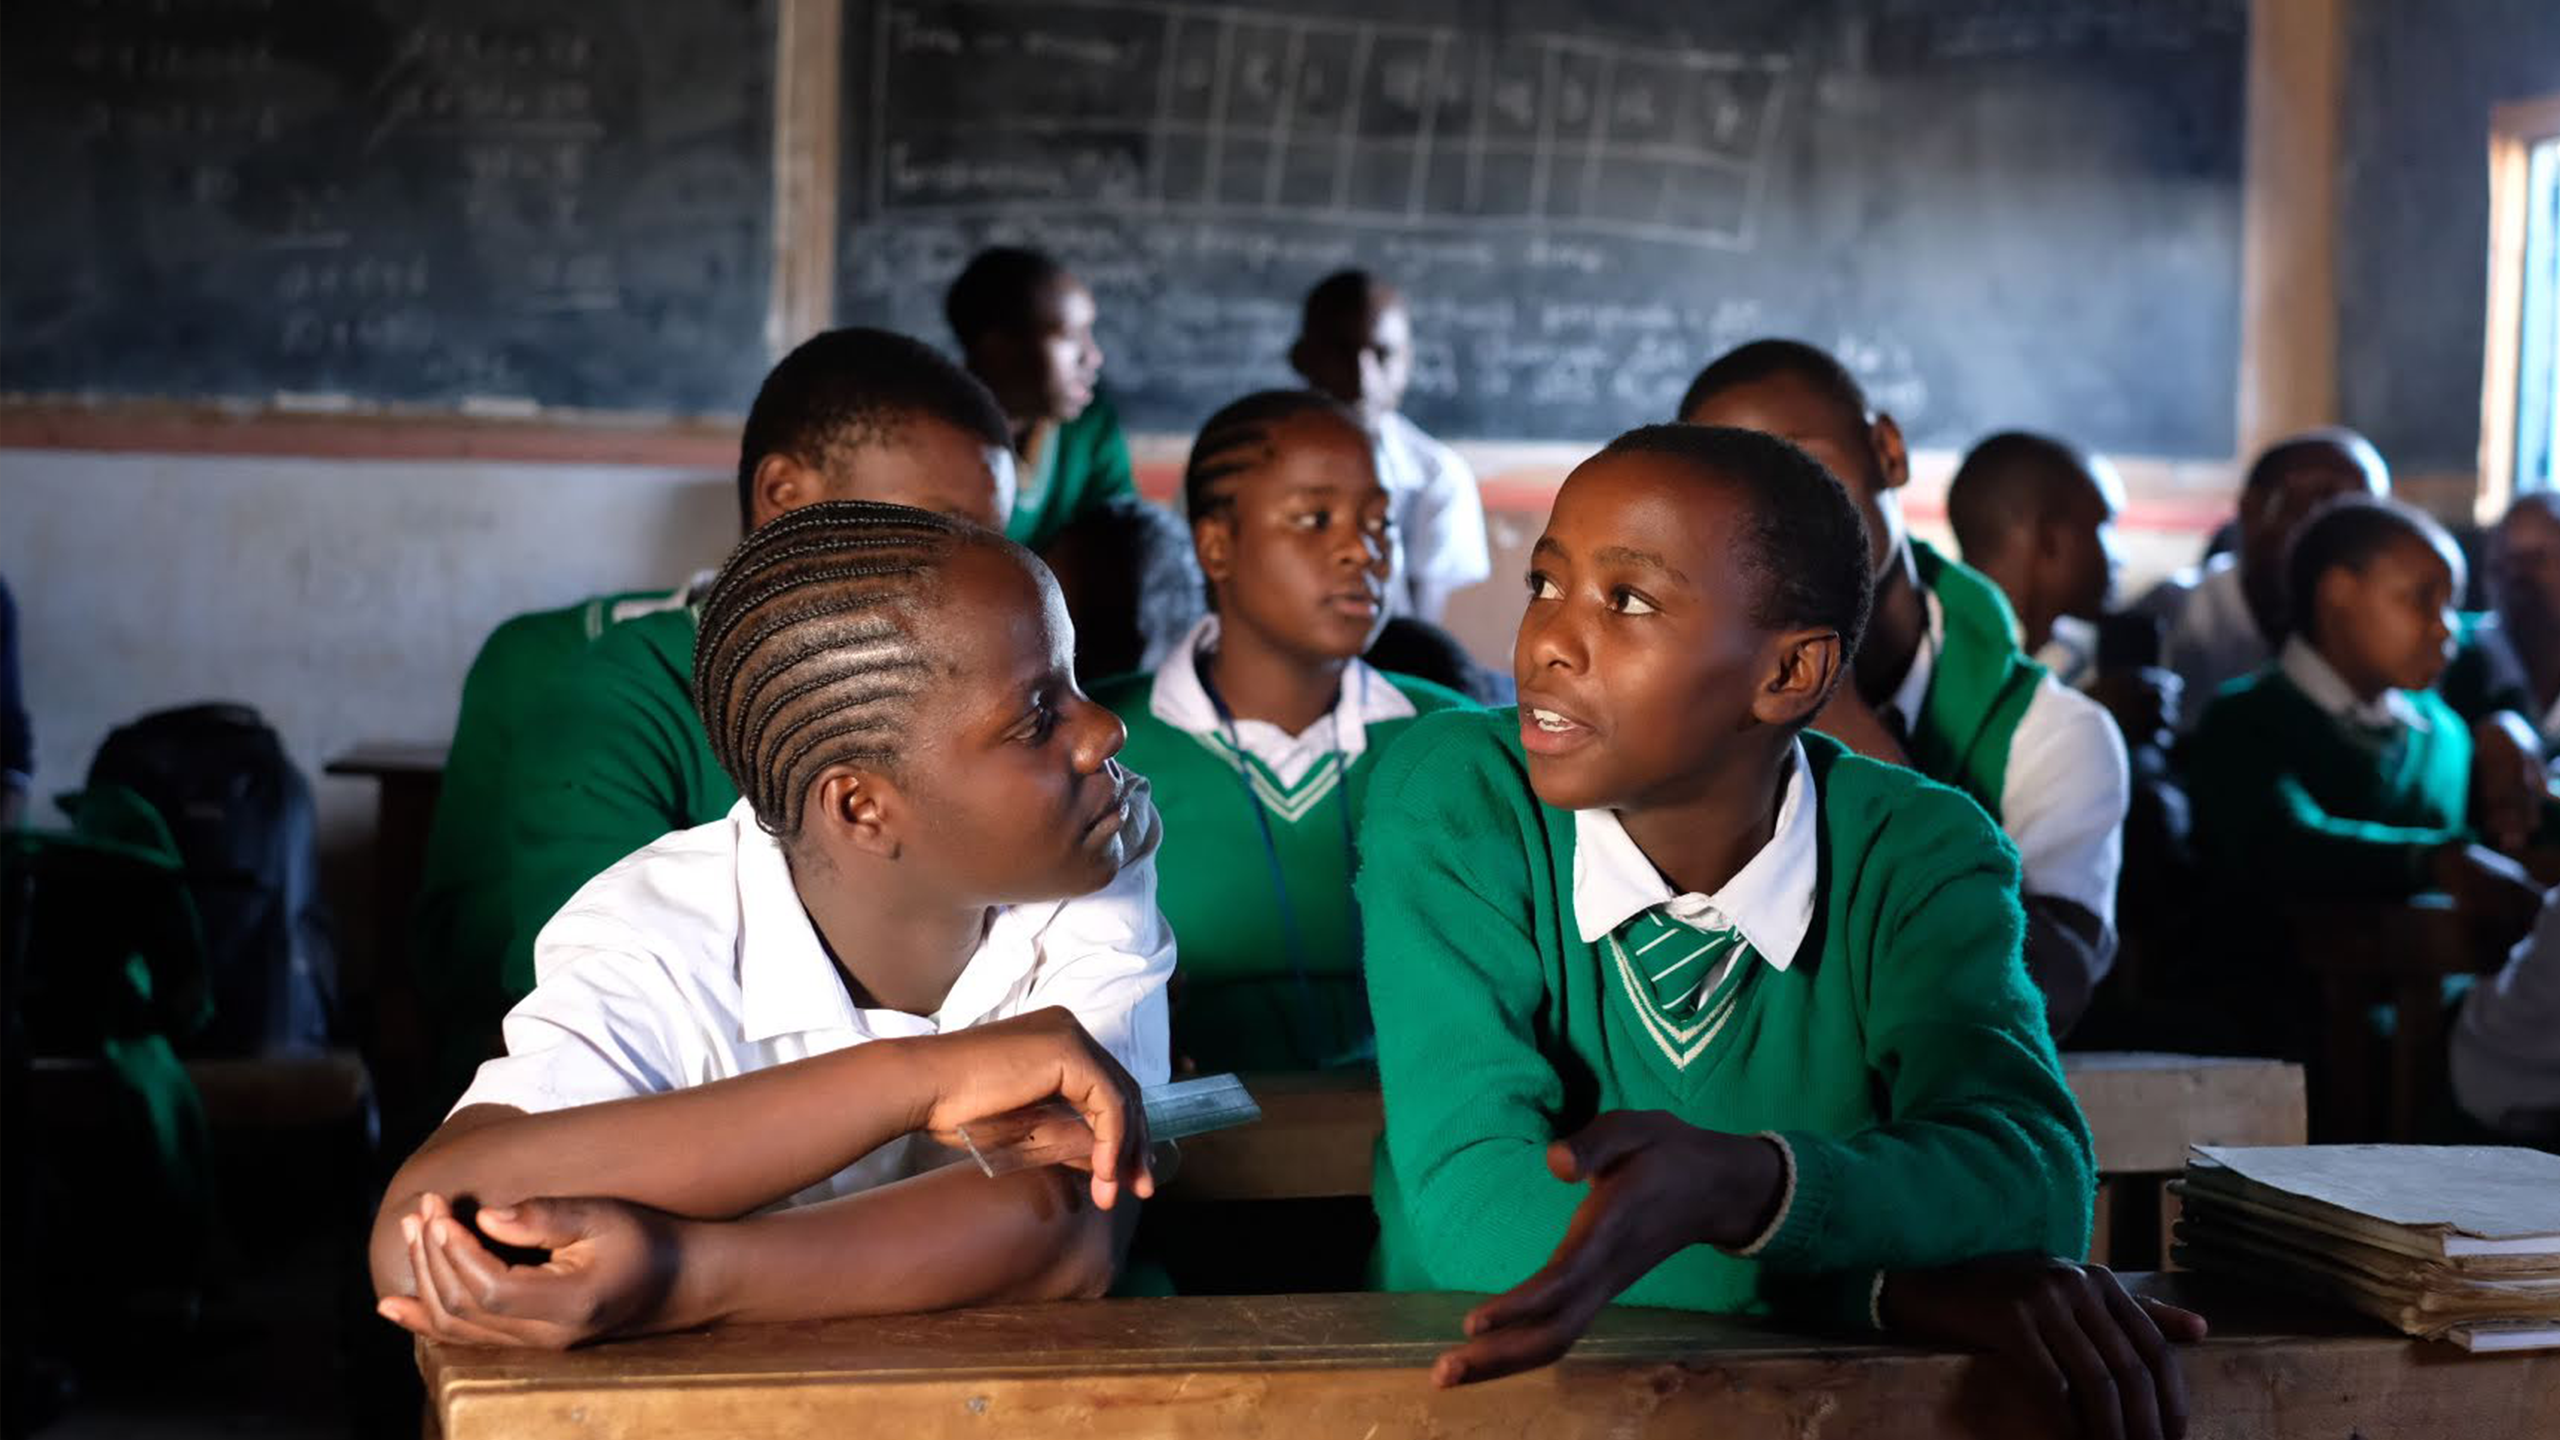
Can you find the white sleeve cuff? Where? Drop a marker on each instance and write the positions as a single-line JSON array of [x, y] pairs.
[[1786, 1196]]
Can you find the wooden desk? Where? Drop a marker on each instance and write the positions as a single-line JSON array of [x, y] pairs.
[[1357, 1365]]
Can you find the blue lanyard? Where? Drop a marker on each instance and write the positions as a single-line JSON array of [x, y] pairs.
[[1312, 1015]]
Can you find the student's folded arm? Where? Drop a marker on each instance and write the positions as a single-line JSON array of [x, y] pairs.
[[590, 1101], [1981, 1130], [1455, 985], [2330, 854], [945, 1238]]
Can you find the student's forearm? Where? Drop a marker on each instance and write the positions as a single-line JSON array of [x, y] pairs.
[[948, 1238], [707, 1151]]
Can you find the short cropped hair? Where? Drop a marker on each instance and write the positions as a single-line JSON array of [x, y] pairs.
[[2346, 534], [1805, 549], [845, 389], [1760, 360], [1342, 293], [999, 290], [2006, 484], [2277, 458], [808, 653]]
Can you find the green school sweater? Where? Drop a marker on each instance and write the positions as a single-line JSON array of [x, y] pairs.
[[457, 934], [1085, 462], [617, 760], [1902, 1056], [1980, 687], [1238, 1002], [2288, 795]]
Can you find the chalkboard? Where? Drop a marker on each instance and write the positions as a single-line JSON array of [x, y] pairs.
[[438, 202], [2413, 237], [2000, 212]]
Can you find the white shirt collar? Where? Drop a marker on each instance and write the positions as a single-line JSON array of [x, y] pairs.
[[1913, 692], [1181, 701], [2319, 681], [789, 985], [1770, 899]]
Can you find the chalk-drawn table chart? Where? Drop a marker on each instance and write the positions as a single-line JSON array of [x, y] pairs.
[[1224, 113]]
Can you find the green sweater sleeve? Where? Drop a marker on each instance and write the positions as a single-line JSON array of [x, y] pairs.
[[1108, 471], [606, 771], [1978, 1118], [2255, 816], [1456, 986]]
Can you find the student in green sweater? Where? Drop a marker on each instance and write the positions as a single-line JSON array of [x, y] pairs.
[[1025, 326], [1261, 733], [1940, 683], [610, 755], [1721, 1014], [2338, 771]]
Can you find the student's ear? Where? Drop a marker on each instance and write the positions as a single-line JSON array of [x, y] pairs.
[[1802, 665], [783, 483], [1213, 539], [857, 809], [1893, 462]]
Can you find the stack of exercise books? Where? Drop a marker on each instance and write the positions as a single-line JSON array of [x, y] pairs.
[[2450, 1242]]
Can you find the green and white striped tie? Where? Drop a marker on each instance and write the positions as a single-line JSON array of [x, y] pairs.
[[1679, 962]]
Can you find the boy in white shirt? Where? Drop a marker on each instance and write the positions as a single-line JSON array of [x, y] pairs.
[[1355, 343], [934, 904]]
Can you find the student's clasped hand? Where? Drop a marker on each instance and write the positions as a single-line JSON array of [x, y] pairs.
[[613, 1265], [2096, 1354], [1658, 1186]]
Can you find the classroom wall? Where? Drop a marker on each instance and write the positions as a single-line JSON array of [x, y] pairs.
[[2413, 229], [343, 600]]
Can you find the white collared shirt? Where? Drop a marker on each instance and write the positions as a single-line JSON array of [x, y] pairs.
[[1770, 899], [2065, 790], [2212, 637], [1181, 701], [2321, 684], [1439, 514], [693, 960]]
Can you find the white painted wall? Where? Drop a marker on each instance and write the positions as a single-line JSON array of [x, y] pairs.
[[343, 599]]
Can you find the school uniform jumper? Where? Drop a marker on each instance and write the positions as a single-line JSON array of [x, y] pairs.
[[1082, 463], [1857, 992], [1263, 987]]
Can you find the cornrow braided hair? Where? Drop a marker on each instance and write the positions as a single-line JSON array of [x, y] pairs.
[[1238, 438], [807, 654]]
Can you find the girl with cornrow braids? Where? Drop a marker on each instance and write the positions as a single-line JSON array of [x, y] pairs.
[[733, 1091], [1262, 730]]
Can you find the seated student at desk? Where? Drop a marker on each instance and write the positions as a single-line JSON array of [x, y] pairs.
[[1261, 734], [1025, 326], [1939, 682], [1681, 1003], [2036, 517], [935, 904], [617, 757], [2337, 772]]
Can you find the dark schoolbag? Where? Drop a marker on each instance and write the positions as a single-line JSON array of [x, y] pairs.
[[242, 818]]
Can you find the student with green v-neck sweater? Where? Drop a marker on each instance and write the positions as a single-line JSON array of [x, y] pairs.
[[1261, 733], [1940, 684], [2337, 771], [1025, 327], [1681, 1005]]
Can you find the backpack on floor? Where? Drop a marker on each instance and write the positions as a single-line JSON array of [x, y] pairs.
[[242, 819]]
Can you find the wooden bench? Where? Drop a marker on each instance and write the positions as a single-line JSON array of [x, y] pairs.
[[1357, 1365], [1317, 1133]]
